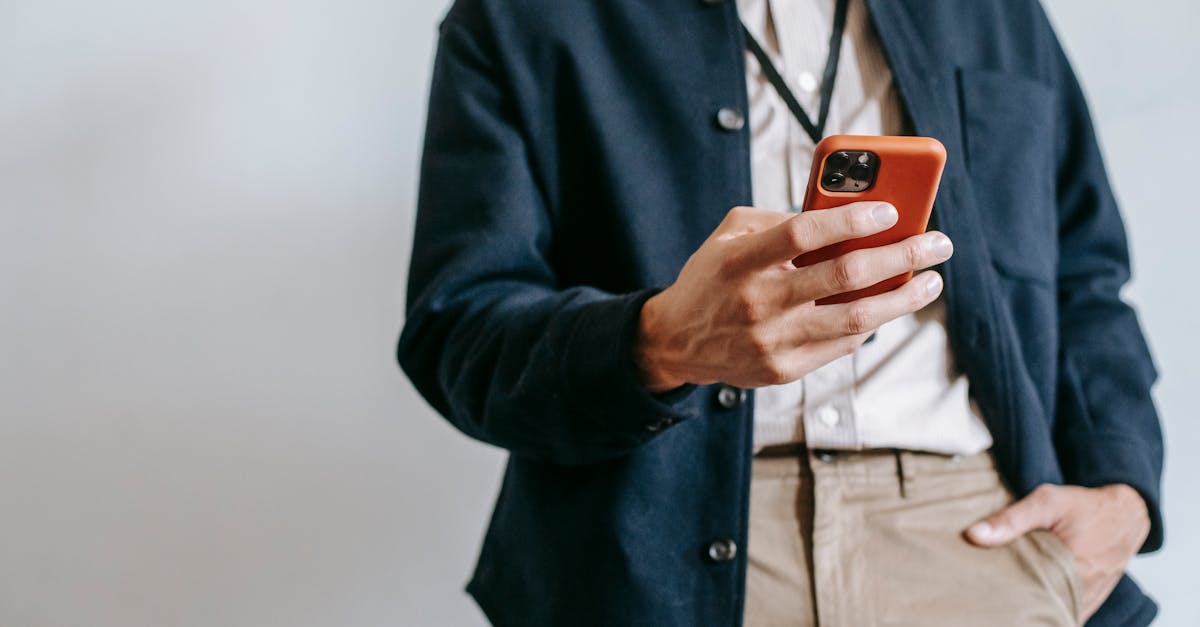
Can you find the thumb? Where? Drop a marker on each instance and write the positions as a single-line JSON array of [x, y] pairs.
[[1038, 510]]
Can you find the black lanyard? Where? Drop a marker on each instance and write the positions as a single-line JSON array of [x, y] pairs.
[[815, 130]]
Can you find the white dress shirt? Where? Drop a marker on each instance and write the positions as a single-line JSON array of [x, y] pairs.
[[901, 390]]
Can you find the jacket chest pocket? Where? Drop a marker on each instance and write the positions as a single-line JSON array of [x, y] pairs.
[[1008, 135]]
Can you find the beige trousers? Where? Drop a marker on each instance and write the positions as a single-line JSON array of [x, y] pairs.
[[863, 539]]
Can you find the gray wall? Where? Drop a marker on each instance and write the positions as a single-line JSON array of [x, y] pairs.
[[206, 213]]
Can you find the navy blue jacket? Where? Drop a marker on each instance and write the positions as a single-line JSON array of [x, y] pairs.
[[572, 164]]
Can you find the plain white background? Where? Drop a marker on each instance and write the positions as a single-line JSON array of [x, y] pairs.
[[205, 215]]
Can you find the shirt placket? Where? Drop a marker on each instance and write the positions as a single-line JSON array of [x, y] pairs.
[[827, 411], [829, 418], [800, 46]]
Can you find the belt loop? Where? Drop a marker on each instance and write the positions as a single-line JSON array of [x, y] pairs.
[[900, 478]]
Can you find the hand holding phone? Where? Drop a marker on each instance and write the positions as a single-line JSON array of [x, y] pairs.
[[766, 298], [902, 171]]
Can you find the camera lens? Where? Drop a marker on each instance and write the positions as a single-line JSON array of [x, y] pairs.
[[860, 172], [838, 161], [833, 179]]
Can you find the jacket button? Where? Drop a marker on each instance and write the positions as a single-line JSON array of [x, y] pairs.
[[659, 425], [722, 550], [729, 396], [730, 119]]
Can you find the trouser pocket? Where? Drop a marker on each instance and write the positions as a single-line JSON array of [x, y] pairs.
[[1064, 575]]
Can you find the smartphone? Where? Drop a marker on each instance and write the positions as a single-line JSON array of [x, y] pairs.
[[904, 171]]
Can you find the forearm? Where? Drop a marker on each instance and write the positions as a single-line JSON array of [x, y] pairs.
[[1106, 429], [548, 375]]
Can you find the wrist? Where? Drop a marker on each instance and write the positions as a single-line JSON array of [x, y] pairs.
[[649, 352], [1129, 497]]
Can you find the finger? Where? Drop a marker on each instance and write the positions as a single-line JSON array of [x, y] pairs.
[[812, 230], [867, 314], [743, 220], [1041, 509], [864, 268], [791, 364]]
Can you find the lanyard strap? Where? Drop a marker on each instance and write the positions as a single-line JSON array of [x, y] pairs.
[[816, 130]]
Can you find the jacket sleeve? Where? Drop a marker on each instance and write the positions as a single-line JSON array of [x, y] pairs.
[[491, 340], [1107, 428]]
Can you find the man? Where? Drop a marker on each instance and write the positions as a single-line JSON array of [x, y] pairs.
[[693, 441]]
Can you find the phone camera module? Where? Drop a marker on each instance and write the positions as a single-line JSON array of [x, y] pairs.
[[850, 171]]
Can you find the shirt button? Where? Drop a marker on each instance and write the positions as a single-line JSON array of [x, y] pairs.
[[826, 456], [806, 82], [722, 550], [729, 396], [829, 416], [659, 425], [730, 119]]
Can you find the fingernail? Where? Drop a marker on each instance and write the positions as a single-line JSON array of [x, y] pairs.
[[884, 214], [941, 247], [981, 531], [933, 283]]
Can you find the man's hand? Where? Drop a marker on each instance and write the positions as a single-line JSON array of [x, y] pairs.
[[1103, 528], [741, 313]]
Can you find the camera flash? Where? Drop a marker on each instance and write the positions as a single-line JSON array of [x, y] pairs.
[[863, 158]]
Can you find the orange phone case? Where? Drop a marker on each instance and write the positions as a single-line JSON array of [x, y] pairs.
[[907, 176]]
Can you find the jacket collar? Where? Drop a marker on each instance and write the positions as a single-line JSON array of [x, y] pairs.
[[928, 91]]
